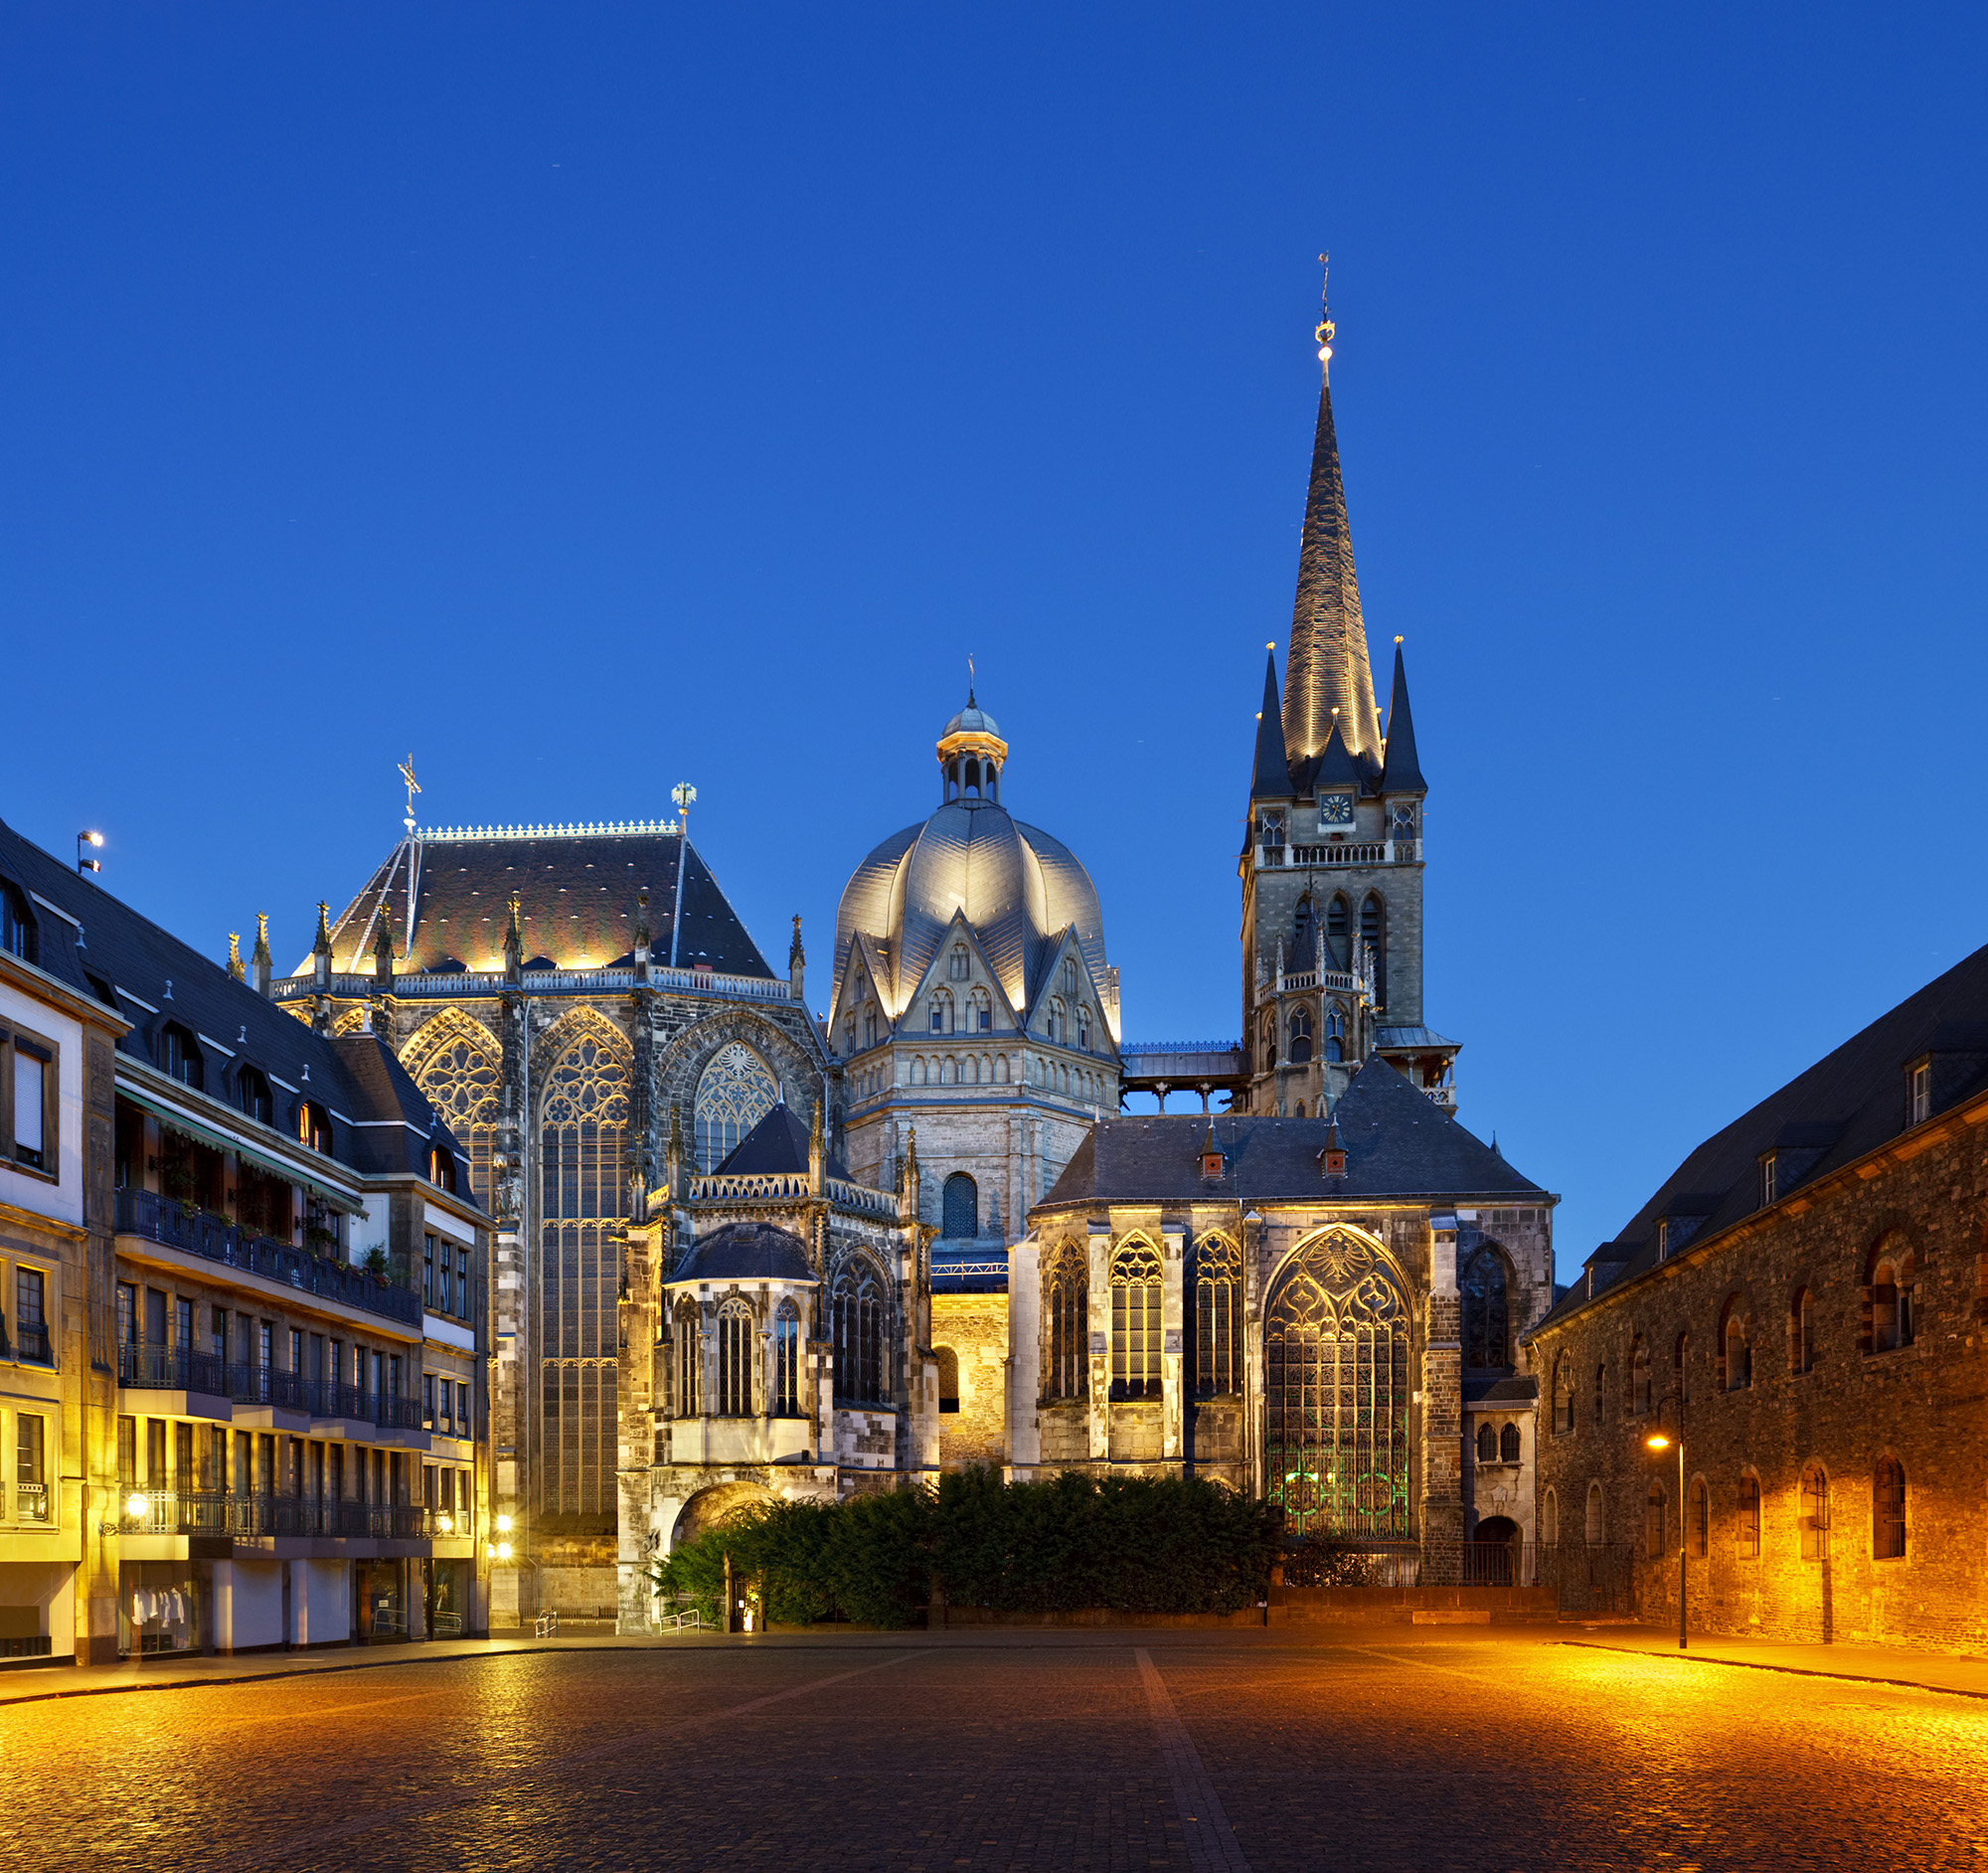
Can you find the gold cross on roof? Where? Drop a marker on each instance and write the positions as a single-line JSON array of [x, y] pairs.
[[406, 772]]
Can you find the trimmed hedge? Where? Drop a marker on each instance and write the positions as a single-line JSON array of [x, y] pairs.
[[1125, 1544]]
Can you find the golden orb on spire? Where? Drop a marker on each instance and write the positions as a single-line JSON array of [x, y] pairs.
[[1325, 331]]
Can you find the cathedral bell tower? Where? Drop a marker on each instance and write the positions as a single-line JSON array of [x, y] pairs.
[[1332, 864]]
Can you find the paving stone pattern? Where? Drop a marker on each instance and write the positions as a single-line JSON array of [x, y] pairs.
[[1052, 1751]]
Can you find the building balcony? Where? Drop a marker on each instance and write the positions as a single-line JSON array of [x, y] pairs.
[[158, 1219], [207, 1376], [214, 1512], [1271, 858]]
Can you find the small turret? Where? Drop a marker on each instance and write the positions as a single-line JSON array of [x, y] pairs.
[[642, 933], [259, 958], [797, 961], [321, 950], [817, 1152], [514, 944]]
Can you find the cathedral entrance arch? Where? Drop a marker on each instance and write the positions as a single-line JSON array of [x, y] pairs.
[[721, 1504], [1336, 1392]]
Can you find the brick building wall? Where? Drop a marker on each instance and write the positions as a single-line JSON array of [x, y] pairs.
[[1766, 1403]]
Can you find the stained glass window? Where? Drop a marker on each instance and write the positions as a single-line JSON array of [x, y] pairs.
[[1217, 1315], [1066, 1302], [455, 1063], [862, 1373], [1487, 1325], [1135, 1321], [737, 1090]]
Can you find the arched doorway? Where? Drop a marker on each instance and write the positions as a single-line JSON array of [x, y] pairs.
[[722, 1502], [1493, 1557], [1336, 1433]]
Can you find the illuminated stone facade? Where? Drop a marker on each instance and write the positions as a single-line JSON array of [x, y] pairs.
[[568, 996], [1812, 1280]]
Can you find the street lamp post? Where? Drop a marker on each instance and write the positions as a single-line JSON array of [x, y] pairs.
[[1658, 1441]]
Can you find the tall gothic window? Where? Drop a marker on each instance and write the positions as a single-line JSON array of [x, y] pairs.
[[858, 1312], [1335, 1032], [1135, 1321], [1217, 1318], [1374, 933], [1337, 921], [787, 1361], [1487, 1313], [1066, 1329], [1298, 1039], [454, 1062], [685, 1336], [1304, 934], [736, 1092], [735, 1359], [1336, 1391], [581, 1124]]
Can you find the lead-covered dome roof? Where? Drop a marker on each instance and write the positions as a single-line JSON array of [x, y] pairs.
[[1018, 887]]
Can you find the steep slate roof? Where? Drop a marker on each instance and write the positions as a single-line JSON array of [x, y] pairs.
[[1334, 766], [1271, 777], [777, 1145], [1849, 1103], [1326, 665], [576, 897], [1402, 773], [746, 1252], [149, 977], [1397, 1144]]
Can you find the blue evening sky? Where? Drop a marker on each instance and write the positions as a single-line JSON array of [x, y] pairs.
[[590, 399]]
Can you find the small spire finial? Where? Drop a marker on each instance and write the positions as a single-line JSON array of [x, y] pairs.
[[970, 703], [407, 770], [1326, 330], [685, 797], [235, 967]]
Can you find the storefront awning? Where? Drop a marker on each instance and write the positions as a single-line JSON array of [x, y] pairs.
[[266, 1160]]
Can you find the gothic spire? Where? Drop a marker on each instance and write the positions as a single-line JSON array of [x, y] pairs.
[[1327, 665], [1271, 779], [1402, 773]]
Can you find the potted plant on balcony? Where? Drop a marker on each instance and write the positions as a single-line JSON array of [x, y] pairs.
[[375, 1264]]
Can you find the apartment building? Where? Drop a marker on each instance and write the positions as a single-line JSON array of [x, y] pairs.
[[270, 1309]]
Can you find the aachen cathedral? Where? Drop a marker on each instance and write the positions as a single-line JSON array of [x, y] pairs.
[[744, 1251]]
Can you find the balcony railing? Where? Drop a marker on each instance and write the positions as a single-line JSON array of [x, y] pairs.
[[182, 1369], [161, 1220], [216, 1513]]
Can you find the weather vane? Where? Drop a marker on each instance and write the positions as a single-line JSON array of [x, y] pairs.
[[413, 787], [1325, 332], [685, 795]]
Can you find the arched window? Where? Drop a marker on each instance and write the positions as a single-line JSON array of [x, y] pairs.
[[735, 1092], [1069, 976], [1135, 1321], [1269, 1041], [862, 1376], [961, 1208], [1653, 1523], [1083, 1024], [1508, 1444], [1739, 1350], [1487, 1315], [1298, 1037], [1217, 1318], [981, 1019], [948, 1378], [1066, 1331], [1374, 936], [453, 1060], [1891, 1296], [1888, 1510], [942, 1011], [1335, 1031], [957, 964], [1336, 1391], [441, 1167], [1594, 1521], [1487, 1444], [252, 1095], [1814, 1513], [17, 928], [1601, 1390], [1747, 1528], [1640, 1388], [1338, 922], [1801, 1332], [1056, 1024], [178, 1055], [1549, 1520], [1298, 1110], [685, 1336], [1700, 1519], [787, 1361], [582, 1121], [1562, 1407], [735, 1359], [1304, 934], [314, 1127]]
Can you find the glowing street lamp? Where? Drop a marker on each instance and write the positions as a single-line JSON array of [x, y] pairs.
[[135, 1506], [83, 862], [1660, 1440]]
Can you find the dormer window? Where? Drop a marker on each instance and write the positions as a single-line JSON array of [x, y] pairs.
[[17, 928], [1211, 1166], [252, 1095], [441, 1168], [1663, 1239], [1918, 1094], [1768, 1180], [179, 1055], [314, 1127]]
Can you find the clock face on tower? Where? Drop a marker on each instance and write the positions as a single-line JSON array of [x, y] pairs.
[[1335, 810]]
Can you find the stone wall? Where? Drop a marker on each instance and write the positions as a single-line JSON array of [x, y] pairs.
[[1920, 1404], [974, 1327]]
